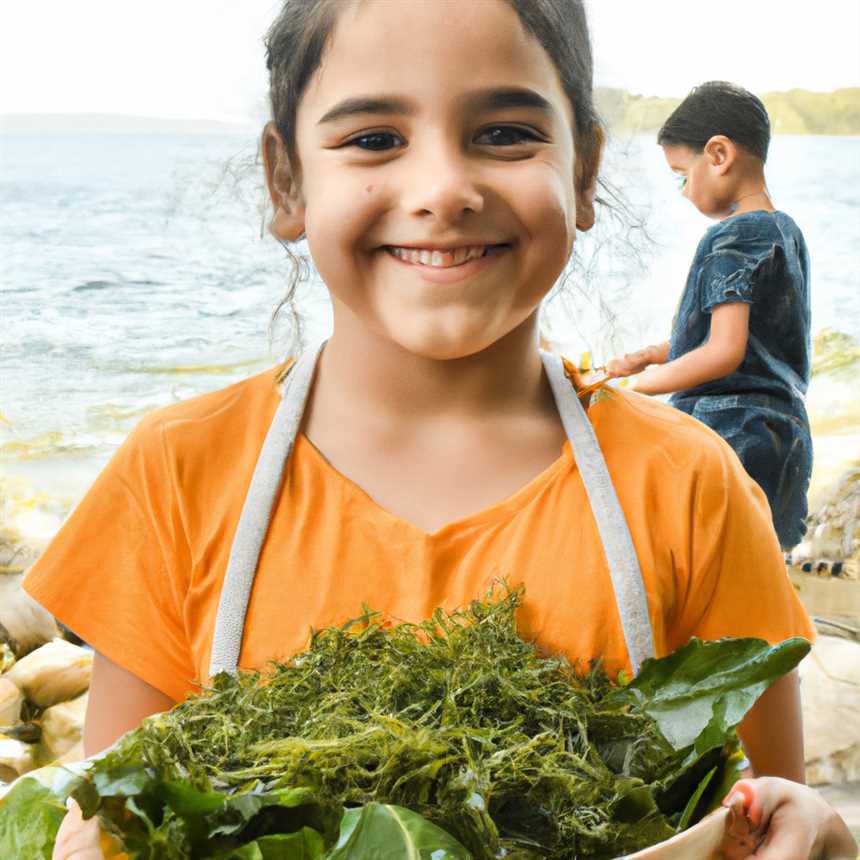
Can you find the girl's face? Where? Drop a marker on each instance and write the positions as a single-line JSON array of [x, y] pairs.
[[436, 173]]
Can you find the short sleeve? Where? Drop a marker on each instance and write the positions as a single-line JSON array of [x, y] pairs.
[[728, 272], [116, 572], [737, 583]]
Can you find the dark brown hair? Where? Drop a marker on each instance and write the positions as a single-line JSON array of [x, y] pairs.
[[297, 39], [718, 107]]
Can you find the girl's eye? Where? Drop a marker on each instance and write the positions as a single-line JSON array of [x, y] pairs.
[[506, 135], [681, 180], [376, 141]]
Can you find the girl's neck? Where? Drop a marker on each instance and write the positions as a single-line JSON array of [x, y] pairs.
[[376, 373]]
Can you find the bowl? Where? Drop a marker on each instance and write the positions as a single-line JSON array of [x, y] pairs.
[[703, 841]]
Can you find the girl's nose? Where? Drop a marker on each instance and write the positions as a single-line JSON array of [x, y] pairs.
[[443, 188]]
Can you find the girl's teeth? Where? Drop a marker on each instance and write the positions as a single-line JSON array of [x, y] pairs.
[[440, 259]]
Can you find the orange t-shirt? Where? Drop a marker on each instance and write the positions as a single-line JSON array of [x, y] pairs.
[[136, 571]]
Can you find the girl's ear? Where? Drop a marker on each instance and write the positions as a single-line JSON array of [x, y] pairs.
[[288, 220], [585, 176], [721, 152]]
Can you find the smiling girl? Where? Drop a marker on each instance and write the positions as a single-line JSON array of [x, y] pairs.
[[439, 158]]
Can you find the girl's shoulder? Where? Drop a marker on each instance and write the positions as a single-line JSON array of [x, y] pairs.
[[635, 427], [213, 425], [224, 404], [639, 432]]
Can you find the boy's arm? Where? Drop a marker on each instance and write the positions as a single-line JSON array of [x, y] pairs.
[[718, 356], [636, 362], [661, 352]]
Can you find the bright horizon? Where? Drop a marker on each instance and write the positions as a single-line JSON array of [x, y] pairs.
[[203, 59]]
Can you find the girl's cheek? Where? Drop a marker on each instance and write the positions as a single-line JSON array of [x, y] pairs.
[[342, 216], [548, 203]]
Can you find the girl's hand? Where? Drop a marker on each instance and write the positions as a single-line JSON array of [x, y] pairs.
[[635, 362], [787, 821], [78, 839]]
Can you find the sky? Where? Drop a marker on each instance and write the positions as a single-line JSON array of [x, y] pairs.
[[203, 59]]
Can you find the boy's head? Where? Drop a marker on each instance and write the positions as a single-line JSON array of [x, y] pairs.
[[438, 156], [718, 108], [717, 139]]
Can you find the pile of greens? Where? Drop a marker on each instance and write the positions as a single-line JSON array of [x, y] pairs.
[[453, 738]]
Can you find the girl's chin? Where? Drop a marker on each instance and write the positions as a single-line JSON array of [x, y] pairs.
[[440, 349], [443, 331], [448, 345]]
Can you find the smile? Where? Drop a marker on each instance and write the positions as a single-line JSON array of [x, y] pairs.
[[443, 259]]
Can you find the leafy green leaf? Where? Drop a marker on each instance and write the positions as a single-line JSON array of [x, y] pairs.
[[378, 831], [124, 781], [718, 728], [731, 769], [683, 690], [693, 802], [188, 800], [282, 810], [307, 844], [30, 816], [633, 803]]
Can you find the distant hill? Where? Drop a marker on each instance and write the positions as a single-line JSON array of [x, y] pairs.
[[97, 123], [791, 112]]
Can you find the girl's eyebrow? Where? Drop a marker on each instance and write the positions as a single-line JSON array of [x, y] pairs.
[[366, 104], [482, 100]]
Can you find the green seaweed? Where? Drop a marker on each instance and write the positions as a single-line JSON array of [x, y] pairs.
[[509, 751]]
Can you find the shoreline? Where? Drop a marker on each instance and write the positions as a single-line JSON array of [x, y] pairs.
[[37, 495], [42, 479]]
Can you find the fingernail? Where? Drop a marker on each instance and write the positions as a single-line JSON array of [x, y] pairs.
[[733, 798]]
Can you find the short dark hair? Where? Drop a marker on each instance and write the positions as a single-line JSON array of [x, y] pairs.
[[718, 107]]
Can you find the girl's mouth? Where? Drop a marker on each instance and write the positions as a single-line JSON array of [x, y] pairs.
[[443, 259]]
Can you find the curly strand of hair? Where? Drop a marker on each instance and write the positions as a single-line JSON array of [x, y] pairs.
[[300, 269]]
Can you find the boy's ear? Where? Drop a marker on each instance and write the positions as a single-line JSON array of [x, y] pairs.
[[721, 152], [585, 176], [288, 219]]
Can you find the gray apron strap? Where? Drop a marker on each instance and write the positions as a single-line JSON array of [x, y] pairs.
[[254, 520], [256, 512], [611, 524]]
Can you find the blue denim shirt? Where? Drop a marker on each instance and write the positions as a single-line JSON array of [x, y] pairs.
[[759, 258]]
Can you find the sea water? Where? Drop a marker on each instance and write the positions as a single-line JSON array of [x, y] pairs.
[[136, 271]]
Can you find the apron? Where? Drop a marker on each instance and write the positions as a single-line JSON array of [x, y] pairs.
[[254, 521]]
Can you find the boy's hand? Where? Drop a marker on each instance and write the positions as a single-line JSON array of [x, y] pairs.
[[787, 821], [634, 362]]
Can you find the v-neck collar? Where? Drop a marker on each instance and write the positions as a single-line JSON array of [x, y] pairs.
[[511, 504], [517, 501]]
